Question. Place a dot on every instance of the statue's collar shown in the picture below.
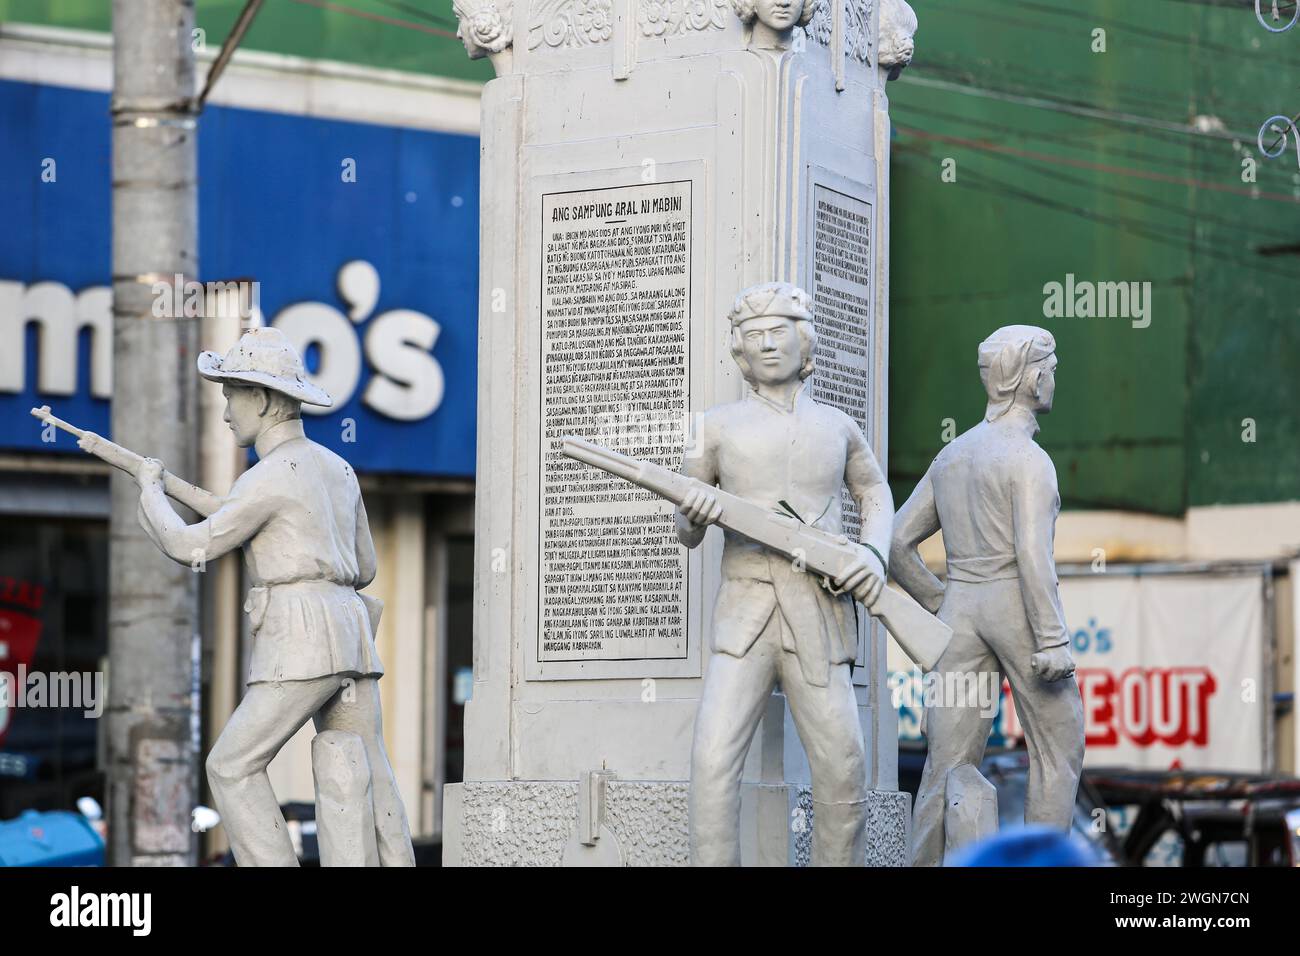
(1019, 417)
(277, 435)
(787, 409)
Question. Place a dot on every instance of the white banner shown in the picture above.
(1169, 666)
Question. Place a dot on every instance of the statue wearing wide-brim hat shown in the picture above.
(264, 357)
(299, 518)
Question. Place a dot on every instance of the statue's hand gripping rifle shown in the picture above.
(178, 489)
(192, 496)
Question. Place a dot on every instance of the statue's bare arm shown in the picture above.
(916, 521)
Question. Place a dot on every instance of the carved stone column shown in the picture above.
(643, 161)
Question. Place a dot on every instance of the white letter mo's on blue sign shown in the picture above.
(68, 363)
(398, 356)
(407, 383)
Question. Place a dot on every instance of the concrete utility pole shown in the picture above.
(153, 602)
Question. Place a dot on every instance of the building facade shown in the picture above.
(349, 194)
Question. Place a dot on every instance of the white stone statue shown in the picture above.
(486, 28)
(299, 518)
(992, 492)
(897, 31)
(772, 21)
(775, 623)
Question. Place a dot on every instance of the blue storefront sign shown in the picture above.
(363, 240)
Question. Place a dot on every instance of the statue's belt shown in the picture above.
(255, 604)
(995, 567)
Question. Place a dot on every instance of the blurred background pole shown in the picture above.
(230, 309)
(153, 602)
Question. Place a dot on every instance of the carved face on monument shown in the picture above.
(778, 14)
(772, 334)
(897, 30)
(774, 19)
(483, 26)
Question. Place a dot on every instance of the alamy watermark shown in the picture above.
(188, 298)
(1101, 300)
(133, 911)
(76, 689)
(967, 689)
(636, 428)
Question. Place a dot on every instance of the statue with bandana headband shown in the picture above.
(775, 622)
(992, 491)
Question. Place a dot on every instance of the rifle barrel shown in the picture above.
(45, 415)
(599, 457)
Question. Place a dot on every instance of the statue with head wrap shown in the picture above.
(774, 622)
(1018, 360)
(992, 491)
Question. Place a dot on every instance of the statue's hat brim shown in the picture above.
(210, 367)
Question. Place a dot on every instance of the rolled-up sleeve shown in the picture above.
(1035, 505)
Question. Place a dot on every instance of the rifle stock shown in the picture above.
(918, 632)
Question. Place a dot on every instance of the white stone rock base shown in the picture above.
(533, 823)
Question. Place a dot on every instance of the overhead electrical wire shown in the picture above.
(420, 13)
(1080, 138)
(1101, 20)
(375, 17)
(1115, 88)
(1196, 216)
(1076, 108)
(1143, 198)
(1103, 167)
(1137, 227)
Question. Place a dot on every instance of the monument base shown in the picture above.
(645, 823)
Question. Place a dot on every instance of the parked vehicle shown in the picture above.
(1157, 817)
(1197, 818)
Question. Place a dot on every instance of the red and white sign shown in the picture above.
(1170, 669)
(19, 633)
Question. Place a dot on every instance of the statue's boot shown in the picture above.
(839, 834)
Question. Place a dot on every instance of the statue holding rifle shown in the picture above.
(300, 520)
(770, 469)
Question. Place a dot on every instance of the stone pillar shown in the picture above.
(642, 162)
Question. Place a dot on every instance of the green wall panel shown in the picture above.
(1069, 161)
